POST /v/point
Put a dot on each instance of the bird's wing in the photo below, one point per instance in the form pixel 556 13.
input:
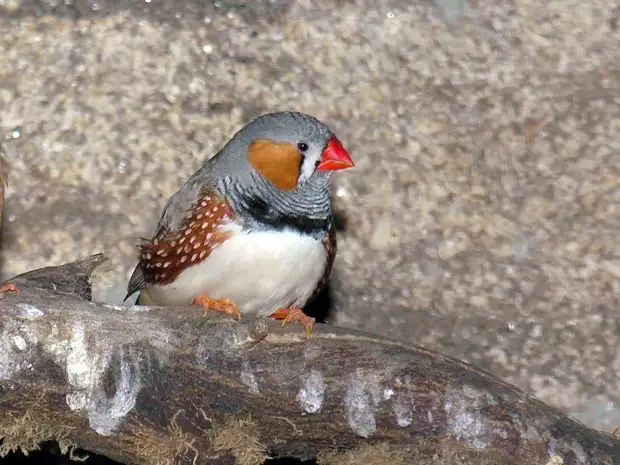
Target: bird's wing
pixel 164 257
pixel 182 202
pixel 173 216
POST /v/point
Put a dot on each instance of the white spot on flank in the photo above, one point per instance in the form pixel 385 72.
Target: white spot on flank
pixel 29 312
pixel 159 252
pixel 194 257
pixel 312 393
pixel 359 408
pixel 188 232
pixel 183 259
pixel 248 378
pixel 196 245
pixel 148 256
pixel 182 240
pixel 167 264
pixel 192 239
pixel 214 209
pixel 203 204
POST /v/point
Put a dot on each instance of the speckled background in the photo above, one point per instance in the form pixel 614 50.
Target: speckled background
pixel 481 219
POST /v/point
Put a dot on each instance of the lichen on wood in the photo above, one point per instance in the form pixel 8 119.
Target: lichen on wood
pixel 151 385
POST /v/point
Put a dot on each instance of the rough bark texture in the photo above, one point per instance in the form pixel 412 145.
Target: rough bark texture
pixel 162 386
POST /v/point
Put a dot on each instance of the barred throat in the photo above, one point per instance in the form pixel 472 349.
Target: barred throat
pixel 307 209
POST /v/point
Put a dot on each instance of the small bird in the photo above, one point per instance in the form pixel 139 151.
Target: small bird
pixel 252 230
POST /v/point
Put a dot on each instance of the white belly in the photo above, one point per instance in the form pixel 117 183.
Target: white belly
pixel 260 271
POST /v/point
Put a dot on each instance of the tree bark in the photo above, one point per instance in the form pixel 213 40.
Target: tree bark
pixel 150 385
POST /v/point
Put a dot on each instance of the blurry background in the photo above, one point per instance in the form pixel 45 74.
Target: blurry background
pixel 481 219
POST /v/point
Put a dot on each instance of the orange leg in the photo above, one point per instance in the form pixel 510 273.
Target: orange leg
pixel 221 305
pixel 294 314
pixel 8 287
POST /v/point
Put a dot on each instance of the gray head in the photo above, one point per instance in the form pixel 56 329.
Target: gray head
pixel 281 164
pixel 287 148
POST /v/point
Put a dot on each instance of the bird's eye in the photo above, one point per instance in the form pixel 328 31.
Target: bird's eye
pixel 302 146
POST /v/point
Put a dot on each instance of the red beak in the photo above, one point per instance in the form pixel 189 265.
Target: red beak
pixel 334 157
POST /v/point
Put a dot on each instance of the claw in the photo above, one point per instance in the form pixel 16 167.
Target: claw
pixel 294 314
pixel 227 306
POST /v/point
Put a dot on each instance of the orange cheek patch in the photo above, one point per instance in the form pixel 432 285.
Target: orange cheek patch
pixel 279 162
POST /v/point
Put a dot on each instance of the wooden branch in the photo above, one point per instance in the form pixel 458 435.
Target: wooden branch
pixel 164 385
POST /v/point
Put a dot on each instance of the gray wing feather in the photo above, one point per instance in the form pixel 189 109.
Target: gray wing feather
pixel 183 200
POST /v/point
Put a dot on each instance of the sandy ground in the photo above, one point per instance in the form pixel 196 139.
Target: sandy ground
pixel 481 219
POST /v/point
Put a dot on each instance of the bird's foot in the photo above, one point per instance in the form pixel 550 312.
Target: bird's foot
pixel 294 314
pixel 10 287
pixel 227 306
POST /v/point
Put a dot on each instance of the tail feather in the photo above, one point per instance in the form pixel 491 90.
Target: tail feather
pixel 136 283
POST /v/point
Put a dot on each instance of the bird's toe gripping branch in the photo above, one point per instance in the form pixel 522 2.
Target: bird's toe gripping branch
pixel 9 287
pixel 227 306
pixel 294 314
